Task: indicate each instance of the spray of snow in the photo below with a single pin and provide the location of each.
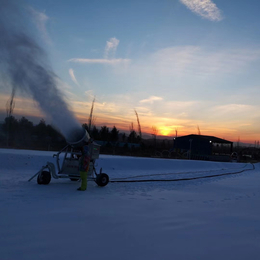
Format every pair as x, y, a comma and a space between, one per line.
25, 64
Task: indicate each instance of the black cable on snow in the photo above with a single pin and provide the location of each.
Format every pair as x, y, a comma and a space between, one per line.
184, 179
172, 173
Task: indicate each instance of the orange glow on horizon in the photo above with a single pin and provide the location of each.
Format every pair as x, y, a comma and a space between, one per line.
165, 131
166, 127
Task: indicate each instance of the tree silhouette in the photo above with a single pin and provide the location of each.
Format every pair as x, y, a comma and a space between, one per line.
104, 133
24, 132
114, 134
10, 127
90, 119
10, 104
95, 133
154, 134
123, 137
139, 126
132, 138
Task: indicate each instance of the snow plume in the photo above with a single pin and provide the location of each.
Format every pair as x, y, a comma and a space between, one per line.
25, 64
41, 19
204, 8
111, 47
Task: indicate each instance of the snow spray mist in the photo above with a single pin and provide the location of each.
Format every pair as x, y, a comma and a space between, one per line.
25, 65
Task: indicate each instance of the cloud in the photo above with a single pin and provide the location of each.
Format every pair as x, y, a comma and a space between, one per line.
89, 94
111, 47
183, 61
205, 8
151, 99
41, 20
109, 54
72, 75
100, 61
235, 111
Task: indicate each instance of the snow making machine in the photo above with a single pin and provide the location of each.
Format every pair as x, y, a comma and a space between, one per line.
68, 166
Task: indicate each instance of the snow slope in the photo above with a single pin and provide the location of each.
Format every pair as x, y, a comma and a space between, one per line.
212, 218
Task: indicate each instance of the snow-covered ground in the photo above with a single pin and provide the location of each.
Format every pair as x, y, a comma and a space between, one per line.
211, 218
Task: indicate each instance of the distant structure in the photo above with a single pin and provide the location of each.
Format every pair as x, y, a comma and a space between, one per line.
203, 147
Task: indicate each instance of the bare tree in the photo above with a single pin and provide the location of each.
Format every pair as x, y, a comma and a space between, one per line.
176, 133
154, 134
132, 132
154, 130
10, 104
238, 142
131, 127
139, 125
198, 130
90, 119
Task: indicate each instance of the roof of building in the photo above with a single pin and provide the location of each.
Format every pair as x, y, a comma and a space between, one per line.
213, 139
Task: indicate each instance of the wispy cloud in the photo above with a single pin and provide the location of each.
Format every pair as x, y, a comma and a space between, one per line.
235, 111
100, 61
41, 20
151, 99
89, 94
111, 47
195, 61
205, 8
72, 75
109, 55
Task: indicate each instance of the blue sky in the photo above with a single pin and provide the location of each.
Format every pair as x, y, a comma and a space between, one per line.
182, 64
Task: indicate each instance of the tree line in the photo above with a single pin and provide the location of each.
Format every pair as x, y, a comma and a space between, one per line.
23, 134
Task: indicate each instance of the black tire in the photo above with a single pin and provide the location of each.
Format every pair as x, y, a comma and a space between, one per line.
102, 179
44, 178
38, 179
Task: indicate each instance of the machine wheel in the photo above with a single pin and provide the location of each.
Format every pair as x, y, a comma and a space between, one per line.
44, 178
102, 179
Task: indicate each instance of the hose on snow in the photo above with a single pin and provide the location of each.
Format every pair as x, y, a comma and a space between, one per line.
181, 179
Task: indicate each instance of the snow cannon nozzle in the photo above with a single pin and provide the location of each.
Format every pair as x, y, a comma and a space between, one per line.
78, 137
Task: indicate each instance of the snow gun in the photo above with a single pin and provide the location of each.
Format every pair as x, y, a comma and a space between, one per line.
68, 167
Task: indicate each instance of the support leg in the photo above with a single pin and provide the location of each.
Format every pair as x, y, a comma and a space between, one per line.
37, 173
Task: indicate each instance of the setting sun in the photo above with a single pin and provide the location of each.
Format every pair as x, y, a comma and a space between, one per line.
165, 131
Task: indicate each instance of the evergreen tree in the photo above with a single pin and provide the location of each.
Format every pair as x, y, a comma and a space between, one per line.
104, 133
123, 137
24, 133
132, 138
10, 127
40, 130
95, 133
114, 134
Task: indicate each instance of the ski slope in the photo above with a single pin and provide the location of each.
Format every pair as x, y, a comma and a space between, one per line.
205, 218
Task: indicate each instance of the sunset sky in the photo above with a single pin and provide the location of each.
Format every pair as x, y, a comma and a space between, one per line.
181, 64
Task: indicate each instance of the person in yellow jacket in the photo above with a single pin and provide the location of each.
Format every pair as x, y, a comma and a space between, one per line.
84, 166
